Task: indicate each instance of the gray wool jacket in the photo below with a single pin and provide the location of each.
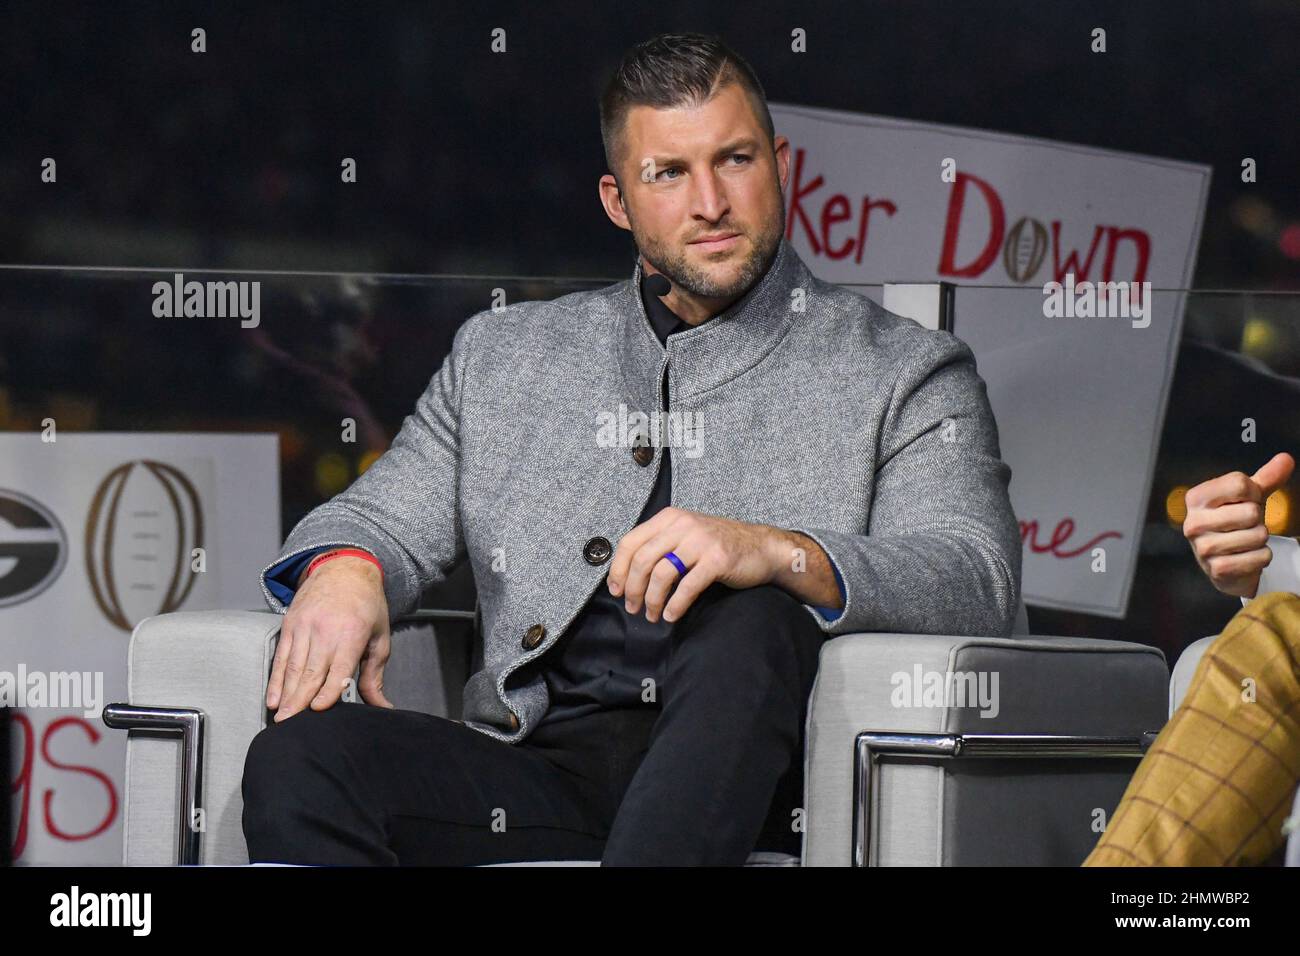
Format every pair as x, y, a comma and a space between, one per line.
810, 408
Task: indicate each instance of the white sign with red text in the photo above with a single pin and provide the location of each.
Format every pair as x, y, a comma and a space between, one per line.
1079, 391
97, 532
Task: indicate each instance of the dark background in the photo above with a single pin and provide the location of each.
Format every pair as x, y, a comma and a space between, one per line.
485, 166
477, 162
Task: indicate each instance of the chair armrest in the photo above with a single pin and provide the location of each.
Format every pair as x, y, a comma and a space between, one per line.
215, 662
214, 665
1043, 685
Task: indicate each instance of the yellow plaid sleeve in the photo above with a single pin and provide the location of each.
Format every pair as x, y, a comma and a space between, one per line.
1216, 786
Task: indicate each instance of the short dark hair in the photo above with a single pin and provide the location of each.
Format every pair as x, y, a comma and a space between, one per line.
674, 69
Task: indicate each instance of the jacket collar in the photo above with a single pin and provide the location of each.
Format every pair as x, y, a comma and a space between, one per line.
713, 353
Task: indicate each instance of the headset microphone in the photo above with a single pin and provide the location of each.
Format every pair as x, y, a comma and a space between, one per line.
658, 284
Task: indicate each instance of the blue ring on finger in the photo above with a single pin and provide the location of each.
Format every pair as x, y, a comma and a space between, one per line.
677, 562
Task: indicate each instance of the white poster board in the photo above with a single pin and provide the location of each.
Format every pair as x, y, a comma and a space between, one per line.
1079, 401
97, 532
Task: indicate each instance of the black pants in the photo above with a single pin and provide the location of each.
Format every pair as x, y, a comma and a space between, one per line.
713, 773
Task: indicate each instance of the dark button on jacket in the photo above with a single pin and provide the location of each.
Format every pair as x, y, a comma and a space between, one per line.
597, 551
533, 636
604, 655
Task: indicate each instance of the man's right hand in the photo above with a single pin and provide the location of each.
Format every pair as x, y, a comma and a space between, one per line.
338, 618
1225, 525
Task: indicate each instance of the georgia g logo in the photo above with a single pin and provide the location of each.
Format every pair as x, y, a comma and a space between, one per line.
33, 547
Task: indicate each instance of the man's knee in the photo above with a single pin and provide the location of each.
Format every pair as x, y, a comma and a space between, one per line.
283, 757
763, 626
753, 605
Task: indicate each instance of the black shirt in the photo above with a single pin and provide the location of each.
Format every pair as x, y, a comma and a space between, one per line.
604, 655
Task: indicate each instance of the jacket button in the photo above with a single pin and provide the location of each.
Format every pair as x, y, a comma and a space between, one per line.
533, 636
643, 455
597, 551
514, 721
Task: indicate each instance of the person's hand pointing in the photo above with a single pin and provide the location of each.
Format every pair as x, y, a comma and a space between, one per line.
1225, 525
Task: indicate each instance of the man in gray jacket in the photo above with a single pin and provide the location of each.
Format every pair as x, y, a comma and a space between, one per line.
651, 624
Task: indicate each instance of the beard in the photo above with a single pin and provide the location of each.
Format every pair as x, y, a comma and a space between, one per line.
695, 277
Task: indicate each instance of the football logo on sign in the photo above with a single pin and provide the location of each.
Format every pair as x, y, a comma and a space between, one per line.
33, 547
1025, 248
145, 520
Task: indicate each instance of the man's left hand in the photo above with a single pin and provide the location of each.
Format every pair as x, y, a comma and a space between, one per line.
714, 550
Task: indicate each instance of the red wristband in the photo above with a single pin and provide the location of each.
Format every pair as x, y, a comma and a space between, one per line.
354, 552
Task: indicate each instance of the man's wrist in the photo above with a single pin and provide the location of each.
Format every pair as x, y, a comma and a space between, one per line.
782, 547
307, 568
341, 557
800, 566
